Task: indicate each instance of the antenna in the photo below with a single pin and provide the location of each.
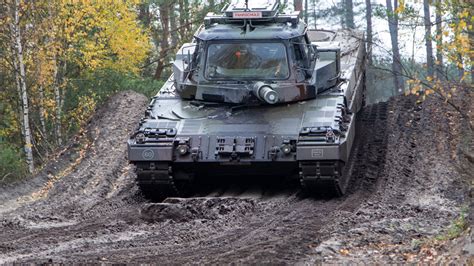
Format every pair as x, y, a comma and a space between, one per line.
246, 4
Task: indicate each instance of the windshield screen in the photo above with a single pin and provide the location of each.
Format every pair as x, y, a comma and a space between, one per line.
256, 60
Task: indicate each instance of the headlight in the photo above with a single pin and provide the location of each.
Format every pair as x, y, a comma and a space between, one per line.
140, 138
286, 148
183, 149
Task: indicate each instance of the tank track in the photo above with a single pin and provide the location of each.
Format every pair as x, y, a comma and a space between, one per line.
331, 178
322, 178
158, 182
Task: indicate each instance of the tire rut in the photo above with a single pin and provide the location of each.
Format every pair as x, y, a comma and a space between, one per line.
96, 214
274, 229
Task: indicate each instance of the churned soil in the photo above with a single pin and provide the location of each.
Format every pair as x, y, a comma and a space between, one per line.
407, 187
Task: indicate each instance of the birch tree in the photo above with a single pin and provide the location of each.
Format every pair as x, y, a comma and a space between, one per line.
19, 68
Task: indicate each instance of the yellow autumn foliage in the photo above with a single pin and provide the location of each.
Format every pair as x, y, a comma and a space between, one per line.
84, 110
456, 49
103, 34
65, 40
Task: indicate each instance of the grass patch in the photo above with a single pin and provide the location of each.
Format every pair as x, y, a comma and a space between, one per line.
459, 225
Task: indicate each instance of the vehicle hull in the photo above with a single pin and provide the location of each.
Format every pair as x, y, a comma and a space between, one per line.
187, 139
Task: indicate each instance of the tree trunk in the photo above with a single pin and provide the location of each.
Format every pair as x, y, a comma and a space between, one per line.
58, 104
428, 38
471, 45
368, 17
16, 71
18, 84
20, 76
439, 41
349, 14
164, 45
470, 28
189, 27
298, 5
456, 10
173, 26
182, 22
42, 111
342, 13
306, 11
460, 67
314, 15
396, 64
63, 81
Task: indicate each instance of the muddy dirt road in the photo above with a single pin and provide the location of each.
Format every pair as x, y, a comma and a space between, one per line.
85, 206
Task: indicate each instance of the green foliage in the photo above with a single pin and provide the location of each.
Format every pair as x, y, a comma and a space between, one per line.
416, 244
93, 88
12, 165
457, 226
455, 230
106, 82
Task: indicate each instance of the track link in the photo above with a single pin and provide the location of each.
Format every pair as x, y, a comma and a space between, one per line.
158, 182
322, 178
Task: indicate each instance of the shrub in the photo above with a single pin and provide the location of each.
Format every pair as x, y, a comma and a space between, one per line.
84, 94
12, 165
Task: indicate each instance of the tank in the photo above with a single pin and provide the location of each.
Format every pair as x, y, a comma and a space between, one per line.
255, 93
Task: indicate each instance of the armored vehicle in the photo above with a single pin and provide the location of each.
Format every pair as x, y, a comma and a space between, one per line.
255, 93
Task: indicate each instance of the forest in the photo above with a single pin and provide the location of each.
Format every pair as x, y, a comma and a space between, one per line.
61, 59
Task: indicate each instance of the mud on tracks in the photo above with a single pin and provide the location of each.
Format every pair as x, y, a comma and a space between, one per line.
94, 212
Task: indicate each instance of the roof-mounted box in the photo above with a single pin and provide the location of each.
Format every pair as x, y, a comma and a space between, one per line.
257, 11
253, 9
